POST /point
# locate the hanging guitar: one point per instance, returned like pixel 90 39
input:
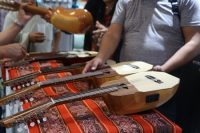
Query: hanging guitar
pixel 131 94
pixel 68 20
pixel 109 73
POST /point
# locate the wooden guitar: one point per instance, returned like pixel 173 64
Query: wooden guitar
pixel 28 78
pixel 126 95
pixel 67 58
pixel 109 73
pixel 68 20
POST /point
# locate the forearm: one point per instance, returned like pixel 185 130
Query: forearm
pixel 9 35
pixel 181 57
pixel 56 41
pixel 190 49
pixel 109 43
pixel 2 52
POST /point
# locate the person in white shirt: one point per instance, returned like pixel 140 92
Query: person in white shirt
pixel 38 35
pixel 8 49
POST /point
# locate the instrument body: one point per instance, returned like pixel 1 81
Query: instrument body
pixel 144 93
pixel 71 20
pixel 68 20
pixel 130 94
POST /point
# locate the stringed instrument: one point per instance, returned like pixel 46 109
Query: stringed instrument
pixel 100 76
pixel 131 94
pixel 67 58
pixel 68 20
pixel 28 78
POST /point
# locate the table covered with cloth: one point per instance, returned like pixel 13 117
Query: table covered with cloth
pixel 87 116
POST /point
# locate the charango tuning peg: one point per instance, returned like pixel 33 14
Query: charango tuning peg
pixel 19 87
pixel 32 124
pixel 32 82
pixel 23 85
pixel 44 119
pixel 38 121
pixel 25 100
pixel 31 99
pixel 28 84
pixel 14 88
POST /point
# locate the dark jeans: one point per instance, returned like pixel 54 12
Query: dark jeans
pixel 188 111
pixel 184 107
pixel 169 109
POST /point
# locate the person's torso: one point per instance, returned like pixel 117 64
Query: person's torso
pixel 152 32
pixel 35 25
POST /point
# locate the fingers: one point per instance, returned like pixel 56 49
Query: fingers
pixel 90 66
pixel 87 67
pixel 37 37
pixel 97 31
pixel 157 68
pixel 23 16
pixel 21 54
pixel 99 25
pixel 97 22
pixel 40 38
pixel 24 51
pixel 93 65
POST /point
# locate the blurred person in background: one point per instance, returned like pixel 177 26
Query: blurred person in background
pixel 102 12
pixel 9 49
pixel 38 35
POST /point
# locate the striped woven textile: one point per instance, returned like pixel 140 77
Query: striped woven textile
pixel 88 116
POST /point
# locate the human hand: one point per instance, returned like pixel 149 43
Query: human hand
pixel 23 17
pixel 13 51
pixel 47 16
pixel 158 68
pixel 36 37
pixel 99 32
pixel 93 64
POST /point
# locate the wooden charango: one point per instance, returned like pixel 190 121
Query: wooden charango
pixel 67 58
pixel 130 94
pixel 147 90
pixel 68 20
pixel 108 73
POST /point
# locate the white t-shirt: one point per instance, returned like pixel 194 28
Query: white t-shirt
pixel 34 25
pixel 152 33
